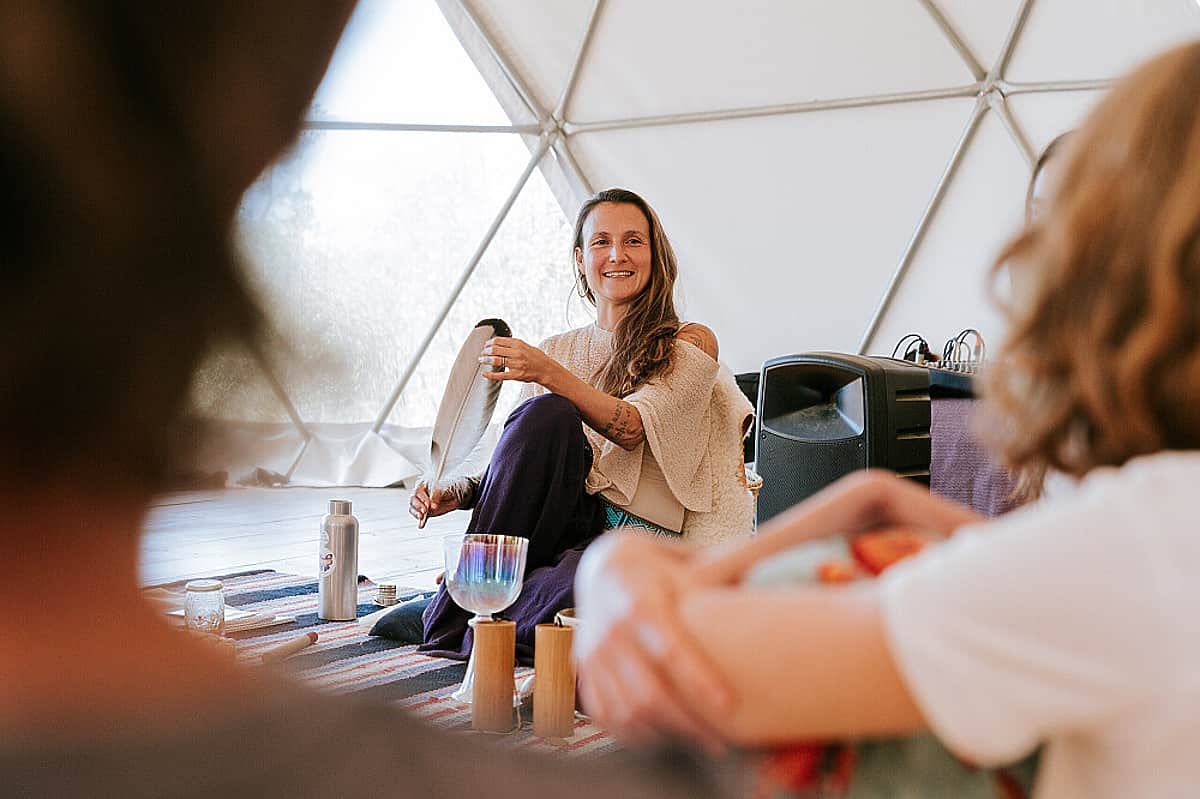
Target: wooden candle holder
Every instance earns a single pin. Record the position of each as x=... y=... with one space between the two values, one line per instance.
x=492 y=692
x=554 y=682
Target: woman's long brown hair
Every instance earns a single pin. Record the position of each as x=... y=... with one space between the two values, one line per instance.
x=644 y=341
x=1102 y=364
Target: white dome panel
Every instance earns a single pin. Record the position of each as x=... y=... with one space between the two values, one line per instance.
x=541 y=47
x=398 y=61
x=947 y=287
x=1098 y=39
x=982 y=26
x=654 y=58
x=1044 y=116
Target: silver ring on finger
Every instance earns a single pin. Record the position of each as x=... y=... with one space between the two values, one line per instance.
x=503 y=361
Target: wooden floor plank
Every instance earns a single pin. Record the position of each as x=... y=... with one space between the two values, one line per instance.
x=196 y=533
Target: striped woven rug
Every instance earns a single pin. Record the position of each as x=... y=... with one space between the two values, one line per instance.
x=345 y=660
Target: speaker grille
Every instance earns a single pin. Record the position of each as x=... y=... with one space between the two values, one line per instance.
x=795 y=470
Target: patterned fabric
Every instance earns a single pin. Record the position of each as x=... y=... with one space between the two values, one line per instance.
x=345 y=660
x=616 y=518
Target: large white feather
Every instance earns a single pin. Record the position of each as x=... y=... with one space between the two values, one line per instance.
x=467 y=406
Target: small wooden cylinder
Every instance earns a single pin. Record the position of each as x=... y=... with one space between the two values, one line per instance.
x=492 y=693
x=554 y=682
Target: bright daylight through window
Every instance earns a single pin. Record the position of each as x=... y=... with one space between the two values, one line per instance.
x=356 y=238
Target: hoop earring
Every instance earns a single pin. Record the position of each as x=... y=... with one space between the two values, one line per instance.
x=581 y=287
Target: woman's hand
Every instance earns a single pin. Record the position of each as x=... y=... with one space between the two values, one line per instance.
x=422 y=505
x=614 y=418
x=641 y=675
x=519 y=361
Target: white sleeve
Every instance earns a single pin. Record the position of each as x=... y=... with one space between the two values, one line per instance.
x=530 y=390
x=1010 y=635
x=677 y=417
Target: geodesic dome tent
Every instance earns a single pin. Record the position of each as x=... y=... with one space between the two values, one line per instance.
x=832 y=176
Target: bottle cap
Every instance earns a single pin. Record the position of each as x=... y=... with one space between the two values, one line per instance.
x=339 y=507
x=204 y=585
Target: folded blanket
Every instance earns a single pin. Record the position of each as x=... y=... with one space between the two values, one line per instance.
x=960 y=467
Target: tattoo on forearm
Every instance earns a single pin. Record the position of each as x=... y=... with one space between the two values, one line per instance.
x=625 y=428
x=472 y=492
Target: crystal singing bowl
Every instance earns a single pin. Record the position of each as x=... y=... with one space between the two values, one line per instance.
x=484 y=573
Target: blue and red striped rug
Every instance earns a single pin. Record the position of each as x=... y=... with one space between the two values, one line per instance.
x=345 y=660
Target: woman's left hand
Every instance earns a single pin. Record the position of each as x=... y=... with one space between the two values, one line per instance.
x=517 y=360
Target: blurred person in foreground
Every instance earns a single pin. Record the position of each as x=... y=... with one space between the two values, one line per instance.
x=128 y=133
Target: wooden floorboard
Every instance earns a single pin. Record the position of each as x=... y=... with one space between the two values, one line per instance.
x=200 y=533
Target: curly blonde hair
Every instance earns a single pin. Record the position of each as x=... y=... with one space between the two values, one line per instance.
x=1102 y=363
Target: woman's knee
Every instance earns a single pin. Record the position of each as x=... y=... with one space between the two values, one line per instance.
x=544 y=415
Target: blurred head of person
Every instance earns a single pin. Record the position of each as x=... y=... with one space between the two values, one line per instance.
x=128 y=132
x=1102 y=360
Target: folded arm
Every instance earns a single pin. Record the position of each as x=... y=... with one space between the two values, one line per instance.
x=615 y=419
x=804 y=663
x=699 y=644
x=612 y=417
x=861 y=501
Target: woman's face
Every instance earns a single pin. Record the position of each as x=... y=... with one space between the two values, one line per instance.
x=616 y=253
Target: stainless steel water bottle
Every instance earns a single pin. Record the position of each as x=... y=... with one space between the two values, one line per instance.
x=337 y=572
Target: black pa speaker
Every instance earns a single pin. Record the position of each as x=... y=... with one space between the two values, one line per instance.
x=823 y=415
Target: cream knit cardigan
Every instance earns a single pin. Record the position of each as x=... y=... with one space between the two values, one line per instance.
x=694 y=419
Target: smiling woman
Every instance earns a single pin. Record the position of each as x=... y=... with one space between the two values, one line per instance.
x=627 y=422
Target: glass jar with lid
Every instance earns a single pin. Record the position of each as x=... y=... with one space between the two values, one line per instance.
x=204 y=606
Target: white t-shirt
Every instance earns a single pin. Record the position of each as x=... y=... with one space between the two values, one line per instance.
x=1074 y=623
